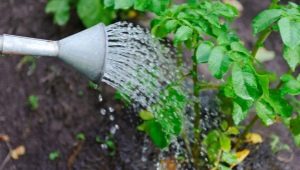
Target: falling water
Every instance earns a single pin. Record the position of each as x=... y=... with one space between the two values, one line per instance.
x=137 y=64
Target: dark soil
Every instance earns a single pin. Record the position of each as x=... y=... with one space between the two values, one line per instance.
x=63 y=111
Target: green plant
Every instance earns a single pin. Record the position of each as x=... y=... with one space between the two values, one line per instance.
x=54 y=155
x=203 y=27
x=33 y=102
x=80 y=136
x=30 y=61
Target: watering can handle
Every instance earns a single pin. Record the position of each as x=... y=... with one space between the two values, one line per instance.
x=10 y=44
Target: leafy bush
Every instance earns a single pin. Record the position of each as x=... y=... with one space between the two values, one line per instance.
x=204 y=28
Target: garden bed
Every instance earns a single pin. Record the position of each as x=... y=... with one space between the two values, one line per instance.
x=69 y=106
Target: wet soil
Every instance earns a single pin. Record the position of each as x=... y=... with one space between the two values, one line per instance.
x=67 y=106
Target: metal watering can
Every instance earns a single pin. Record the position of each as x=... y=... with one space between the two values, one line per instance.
x=84 y=51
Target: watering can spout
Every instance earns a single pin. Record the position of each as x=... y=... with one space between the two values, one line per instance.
x=85 y=51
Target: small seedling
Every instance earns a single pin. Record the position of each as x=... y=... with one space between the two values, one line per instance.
x=33 y=102
x=277 y=145
x=30 y=61
x=54 y=155
x=80 y=93
x=93 y=86
x=80 y=137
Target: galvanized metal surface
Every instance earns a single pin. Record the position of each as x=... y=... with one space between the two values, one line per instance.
x=85 y=51
x=29 y=46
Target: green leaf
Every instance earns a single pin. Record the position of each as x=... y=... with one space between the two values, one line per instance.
x=54 y=155
x=146 y=115
x=244 y=82
x=123 y=4
x=183 y=33
x=158 y=6
x=33 y=102
x=230 y=158
x=203 y=52
x=141 y=4
x=238 y=114
x=295 y=125
x=290 y=32
x=290 y=85
x=292 y=56
x=265 y=19
x=232 y=131
x=109 y=3
x=225 y=10
x=91 y=12
x=60 y=9
x=279 y=104
x=171 y=25
x=211 y=142
x=239 y=47
x=265 y=112
x=80 y=137
x=156 y=133
x=297 y=140
x=264 y=82
x=225 y=142
x=218 y=62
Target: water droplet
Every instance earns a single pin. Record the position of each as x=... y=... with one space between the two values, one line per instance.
x=110 y=109
x=113 y=130
x=103 y=112
x=100 y=98
x=111 y=117
x=104 y=146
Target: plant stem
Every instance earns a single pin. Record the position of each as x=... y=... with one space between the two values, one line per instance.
x=197 y=109
x=218 y=160
x=260 y=41
x=247 y=129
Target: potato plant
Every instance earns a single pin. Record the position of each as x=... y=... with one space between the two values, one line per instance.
x=244 y=85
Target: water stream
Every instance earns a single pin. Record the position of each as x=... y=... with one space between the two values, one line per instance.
x=137 y=64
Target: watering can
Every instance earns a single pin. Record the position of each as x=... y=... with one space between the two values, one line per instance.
x=84 y=51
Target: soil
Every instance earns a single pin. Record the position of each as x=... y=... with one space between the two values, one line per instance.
x=67 y=106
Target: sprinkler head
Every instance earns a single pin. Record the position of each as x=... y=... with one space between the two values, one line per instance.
x=84 y=51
